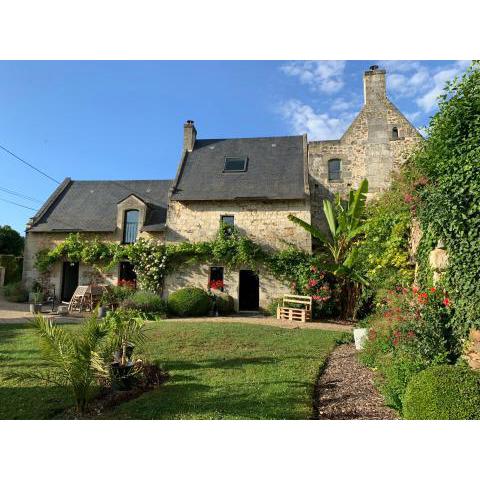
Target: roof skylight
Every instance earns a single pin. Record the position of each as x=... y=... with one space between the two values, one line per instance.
x=235 y=164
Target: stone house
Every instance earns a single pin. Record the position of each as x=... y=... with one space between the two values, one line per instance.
x=252 y=183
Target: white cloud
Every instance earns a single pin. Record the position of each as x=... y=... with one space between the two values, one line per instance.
x=428 y=101
x=420 y=80
x=324 y=75
x=341 y=105
x=408 y=85
x=318 y=126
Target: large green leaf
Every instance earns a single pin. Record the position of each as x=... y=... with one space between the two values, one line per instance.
x=315 y=232
x=330 y=214
x=357 y=203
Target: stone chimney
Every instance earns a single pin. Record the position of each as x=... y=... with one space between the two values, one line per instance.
x=189 y=135
x=374 y=87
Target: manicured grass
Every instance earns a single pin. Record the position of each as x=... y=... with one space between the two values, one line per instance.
x=217 y=371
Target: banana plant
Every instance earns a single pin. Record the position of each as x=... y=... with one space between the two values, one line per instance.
x=345 y=221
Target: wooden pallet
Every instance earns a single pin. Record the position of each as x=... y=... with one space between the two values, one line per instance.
x=290 y=309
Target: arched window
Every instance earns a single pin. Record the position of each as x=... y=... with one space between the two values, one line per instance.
x=334 y=169
x=130 y=226
x=394 y=133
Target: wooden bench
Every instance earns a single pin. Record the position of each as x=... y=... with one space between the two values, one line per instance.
x=290 y=309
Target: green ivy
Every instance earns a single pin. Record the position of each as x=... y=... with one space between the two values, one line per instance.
x=449 y=207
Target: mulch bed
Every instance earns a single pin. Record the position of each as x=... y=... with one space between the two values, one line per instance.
x=108 y=398
x=346 y=391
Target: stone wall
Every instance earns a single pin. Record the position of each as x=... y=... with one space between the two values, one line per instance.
x=265 y=222
x=36 y=241
x=368 y=148
x=198 y=276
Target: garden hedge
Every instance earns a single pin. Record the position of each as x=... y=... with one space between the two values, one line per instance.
x=189 y=301
x=146 y=302
x=443 y=392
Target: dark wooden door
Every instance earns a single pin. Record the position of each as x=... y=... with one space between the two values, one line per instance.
x=69 y=280
x=248 y=296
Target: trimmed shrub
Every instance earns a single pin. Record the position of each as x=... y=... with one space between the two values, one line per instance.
x=395 y=373
x=443 y=392
x=189 y=301
x=145 y=302
x=14 y=292
x=225 y=304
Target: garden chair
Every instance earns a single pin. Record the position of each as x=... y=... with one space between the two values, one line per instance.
x=78 y=299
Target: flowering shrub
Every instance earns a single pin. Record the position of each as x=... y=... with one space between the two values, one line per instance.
x=216 y=285
x=410 y=331
x=149 y=260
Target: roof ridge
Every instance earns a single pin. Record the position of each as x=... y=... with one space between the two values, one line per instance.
x=248 y=138
x=124 y=180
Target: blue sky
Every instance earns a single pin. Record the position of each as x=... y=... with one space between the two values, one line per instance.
x=124 y=120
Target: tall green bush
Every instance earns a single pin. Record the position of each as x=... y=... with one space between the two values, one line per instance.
x=449 y=206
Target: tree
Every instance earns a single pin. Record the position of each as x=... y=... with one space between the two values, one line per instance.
x=11 y=242
x=345 y=222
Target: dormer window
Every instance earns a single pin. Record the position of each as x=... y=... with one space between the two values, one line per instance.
x=394 y=133
x=130 y=226
x=235 y=164
x=334 y=170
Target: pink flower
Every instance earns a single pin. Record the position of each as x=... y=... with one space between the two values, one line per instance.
x=446 y=301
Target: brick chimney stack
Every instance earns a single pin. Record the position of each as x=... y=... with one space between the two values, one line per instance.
x=374 y=86
x=189 y=135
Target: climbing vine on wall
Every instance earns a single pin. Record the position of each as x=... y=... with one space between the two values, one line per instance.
x=152 y=260
x=449 y=208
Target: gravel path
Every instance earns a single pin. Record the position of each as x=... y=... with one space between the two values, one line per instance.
x=345 y=390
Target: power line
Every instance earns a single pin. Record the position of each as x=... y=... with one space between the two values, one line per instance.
x=30 y=165
x=21 y=195
x=18 y=204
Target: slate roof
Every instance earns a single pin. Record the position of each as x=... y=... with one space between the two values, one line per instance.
x=91 y=206
x=275 y=170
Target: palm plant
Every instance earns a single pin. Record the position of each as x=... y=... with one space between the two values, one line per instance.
x=345 y=221
x=71 y=355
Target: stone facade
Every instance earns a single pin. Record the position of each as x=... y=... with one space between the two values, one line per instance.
x=37 y=241
x=198 y=276
x=265 y=222
x=376 y=144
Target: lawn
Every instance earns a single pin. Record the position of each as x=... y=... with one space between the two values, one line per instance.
x=230 y=371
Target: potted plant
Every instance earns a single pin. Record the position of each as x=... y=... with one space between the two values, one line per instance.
x=35 y=302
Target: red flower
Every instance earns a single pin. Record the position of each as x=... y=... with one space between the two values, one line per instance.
x=415 y=289
x=433 y=289
x=312 y=282
x=316 y=297
x=216 y=284
x=446 y=302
